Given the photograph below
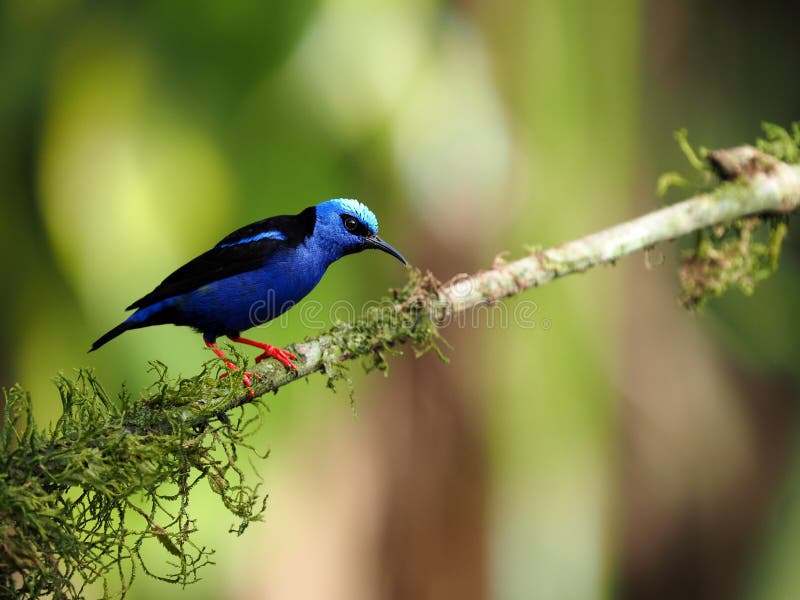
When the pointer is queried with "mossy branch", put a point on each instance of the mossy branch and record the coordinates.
(753, 184)
(80, 500)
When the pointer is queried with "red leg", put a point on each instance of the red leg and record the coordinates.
(215, 349)
(245, 377)
(269, 352)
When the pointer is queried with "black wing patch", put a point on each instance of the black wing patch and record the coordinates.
(217, 263)
(245, 249)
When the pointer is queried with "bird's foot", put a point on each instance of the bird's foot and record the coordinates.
(215, 349)
(247, 379)
(283, 356)
(247, 376)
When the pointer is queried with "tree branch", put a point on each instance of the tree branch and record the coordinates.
(753, 183)
(68, 492)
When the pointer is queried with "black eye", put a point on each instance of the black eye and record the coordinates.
(351, 224)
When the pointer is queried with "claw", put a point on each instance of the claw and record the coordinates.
(246, 376)
(283, 356)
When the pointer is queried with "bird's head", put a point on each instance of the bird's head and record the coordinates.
(346, 226)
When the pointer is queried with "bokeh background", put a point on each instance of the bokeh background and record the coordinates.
(618, 447)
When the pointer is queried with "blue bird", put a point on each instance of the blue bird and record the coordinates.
(255, 274)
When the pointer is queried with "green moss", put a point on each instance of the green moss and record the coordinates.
(740, 254)
(700, 179)
(408, 315)
(783, 144)
(79, 501)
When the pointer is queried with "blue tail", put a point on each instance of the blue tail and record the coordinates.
(144, 317)
(121, 328)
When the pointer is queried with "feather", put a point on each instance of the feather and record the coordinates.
(245, 249)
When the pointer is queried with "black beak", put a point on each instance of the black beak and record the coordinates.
(373, 241)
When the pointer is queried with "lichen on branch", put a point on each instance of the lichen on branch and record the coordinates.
(746, 250)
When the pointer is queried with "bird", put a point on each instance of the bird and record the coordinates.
(255, 274)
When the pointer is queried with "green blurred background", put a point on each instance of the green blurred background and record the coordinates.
(620, 447)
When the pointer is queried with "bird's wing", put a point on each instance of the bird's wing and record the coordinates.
(245, 249)
(218, 263)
